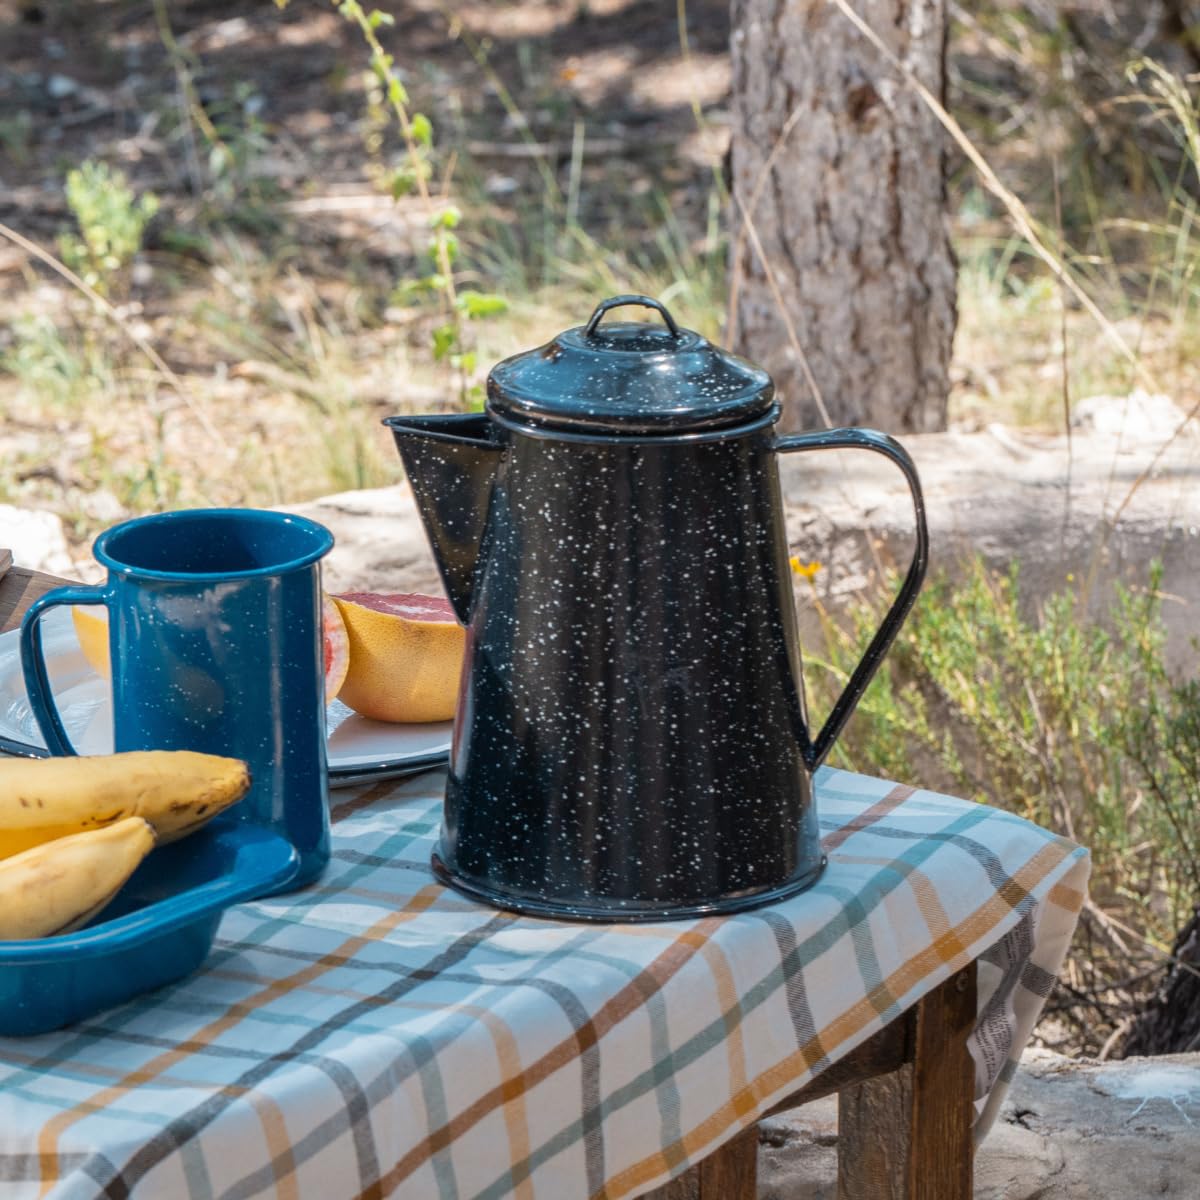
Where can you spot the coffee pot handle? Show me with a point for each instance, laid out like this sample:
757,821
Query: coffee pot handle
867,439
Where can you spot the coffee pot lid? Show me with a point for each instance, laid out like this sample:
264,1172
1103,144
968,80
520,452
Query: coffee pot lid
626,378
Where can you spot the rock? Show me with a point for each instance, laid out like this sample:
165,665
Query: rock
379,542
1140,416
1014,1163
61,86
500,185
1090,512
1123,1130
1069,1130
36,539
1097,511
797,1153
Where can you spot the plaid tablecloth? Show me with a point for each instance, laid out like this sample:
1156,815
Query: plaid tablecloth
377,1035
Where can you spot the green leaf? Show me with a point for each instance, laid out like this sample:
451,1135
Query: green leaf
396,92
402,182
444,337
408,291
482,304
375,18
447,218
422,129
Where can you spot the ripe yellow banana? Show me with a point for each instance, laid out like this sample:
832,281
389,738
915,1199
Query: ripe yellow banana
59,886
175,790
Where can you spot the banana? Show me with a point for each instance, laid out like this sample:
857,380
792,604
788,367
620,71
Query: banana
60,886
175,790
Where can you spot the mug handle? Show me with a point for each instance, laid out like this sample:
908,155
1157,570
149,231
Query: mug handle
867,439
33,663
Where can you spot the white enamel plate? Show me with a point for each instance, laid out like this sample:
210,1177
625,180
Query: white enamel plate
359,749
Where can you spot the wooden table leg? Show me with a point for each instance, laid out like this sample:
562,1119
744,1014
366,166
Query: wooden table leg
905,1113
730,1173
907,1135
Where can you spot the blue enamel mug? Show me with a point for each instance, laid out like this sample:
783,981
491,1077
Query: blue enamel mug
214,630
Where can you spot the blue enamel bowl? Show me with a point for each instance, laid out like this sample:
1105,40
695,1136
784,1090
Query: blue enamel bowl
158,928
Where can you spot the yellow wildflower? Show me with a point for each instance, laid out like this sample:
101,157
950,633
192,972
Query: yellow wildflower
804,570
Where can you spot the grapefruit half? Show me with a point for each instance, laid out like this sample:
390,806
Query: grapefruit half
406,653
91,630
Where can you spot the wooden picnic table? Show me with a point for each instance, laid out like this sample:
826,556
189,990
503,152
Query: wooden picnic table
905,1096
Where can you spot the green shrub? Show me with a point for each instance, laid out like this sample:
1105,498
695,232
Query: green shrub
1071,723
111,220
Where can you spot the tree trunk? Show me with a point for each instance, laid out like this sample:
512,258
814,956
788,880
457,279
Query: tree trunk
1170,1023
851,217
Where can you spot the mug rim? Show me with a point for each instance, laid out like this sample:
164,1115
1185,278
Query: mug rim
261,516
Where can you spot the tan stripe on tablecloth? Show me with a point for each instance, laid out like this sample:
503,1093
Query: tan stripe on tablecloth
279,1144
650,979
868,817
727,994
53,1130
945,940
732,1114
1067,898
925,894
734,1041
516,1116
339,810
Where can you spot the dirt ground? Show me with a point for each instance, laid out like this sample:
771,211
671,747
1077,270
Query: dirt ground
269,286
103,86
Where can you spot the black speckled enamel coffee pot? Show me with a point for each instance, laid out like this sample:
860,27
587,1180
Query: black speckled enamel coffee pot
631,740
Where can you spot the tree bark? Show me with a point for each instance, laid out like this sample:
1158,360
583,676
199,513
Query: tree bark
1170,1023
851,217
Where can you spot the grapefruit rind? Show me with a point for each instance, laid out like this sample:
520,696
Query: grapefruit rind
335,648
406,654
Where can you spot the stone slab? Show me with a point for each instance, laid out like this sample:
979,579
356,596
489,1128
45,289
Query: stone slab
1097,508
1069,1130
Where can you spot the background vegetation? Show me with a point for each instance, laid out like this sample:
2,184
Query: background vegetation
255,230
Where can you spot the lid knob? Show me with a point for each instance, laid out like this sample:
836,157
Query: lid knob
619,302
628,378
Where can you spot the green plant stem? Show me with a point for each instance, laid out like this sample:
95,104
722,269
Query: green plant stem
394,90
195,110
554,195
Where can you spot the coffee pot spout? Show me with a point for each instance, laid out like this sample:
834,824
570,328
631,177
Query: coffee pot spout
451,463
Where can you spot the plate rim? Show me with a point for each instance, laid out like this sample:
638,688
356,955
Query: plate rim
339,775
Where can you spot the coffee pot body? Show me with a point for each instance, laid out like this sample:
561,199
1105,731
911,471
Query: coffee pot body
631,739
